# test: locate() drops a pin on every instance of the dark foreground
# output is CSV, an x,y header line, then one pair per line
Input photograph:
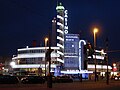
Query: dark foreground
x,y
85,85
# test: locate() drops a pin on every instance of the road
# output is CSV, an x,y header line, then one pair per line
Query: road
x,y
85,85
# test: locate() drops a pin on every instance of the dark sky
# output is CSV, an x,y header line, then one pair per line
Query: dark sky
x,y
22,21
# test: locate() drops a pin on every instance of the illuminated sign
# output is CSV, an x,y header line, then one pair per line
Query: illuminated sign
x,y
99,66
114,67
97,57
80,53
66,19
71,36
76,71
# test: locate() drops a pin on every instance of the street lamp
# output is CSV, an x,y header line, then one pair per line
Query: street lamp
x,y
95,30
106,42
46,39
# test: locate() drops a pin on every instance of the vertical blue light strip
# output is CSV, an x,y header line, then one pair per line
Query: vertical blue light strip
x,y
80,53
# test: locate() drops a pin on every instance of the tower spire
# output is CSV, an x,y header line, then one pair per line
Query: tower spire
x,y
59,6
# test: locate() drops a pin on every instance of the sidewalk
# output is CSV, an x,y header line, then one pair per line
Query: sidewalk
x,y
85,85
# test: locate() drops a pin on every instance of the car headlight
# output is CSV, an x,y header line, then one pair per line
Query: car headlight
x,y
116,78
119,78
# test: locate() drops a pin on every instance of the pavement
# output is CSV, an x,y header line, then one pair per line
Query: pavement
x,y
85,85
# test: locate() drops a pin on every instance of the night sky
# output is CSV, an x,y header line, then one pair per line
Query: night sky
x,y
22,21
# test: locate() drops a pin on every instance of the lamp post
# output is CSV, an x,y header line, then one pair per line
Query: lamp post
x,y
102,51
106,42
95,30
48,55
46,39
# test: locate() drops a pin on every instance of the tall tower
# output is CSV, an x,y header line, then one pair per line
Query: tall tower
x,y
60,31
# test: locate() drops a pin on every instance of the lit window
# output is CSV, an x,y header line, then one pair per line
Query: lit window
x,y
72,45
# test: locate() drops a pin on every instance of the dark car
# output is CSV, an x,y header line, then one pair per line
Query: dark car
x,y
54,79
32,80
6,79
64,79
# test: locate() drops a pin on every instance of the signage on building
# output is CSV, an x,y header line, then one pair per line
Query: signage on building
x,y
66,20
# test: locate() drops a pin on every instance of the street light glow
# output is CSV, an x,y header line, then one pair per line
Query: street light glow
x,y
102,51
95,30
46,39
12,63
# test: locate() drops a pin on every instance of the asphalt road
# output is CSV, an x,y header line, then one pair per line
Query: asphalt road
x,y
85,85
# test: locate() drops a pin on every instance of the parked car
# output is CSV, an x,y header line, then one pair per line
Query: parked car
x,y
117,78
7,79
32,80
54,79
64,79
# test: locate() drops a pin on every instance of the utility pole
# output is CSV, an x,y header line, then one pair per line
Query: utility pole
x,y
48,54
107,78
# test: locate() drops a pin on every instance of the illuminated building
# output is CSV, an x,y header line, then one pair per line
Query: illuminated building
x,y
115,69
68,55
101,65
33,59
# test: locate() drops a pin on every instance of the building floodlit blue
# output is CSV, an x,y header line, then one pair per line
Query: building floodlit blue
x,y
71,53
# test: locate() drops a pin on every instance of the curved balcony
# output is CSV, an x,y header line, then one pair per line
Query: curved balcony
x,y
60,31
59,45
59,38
